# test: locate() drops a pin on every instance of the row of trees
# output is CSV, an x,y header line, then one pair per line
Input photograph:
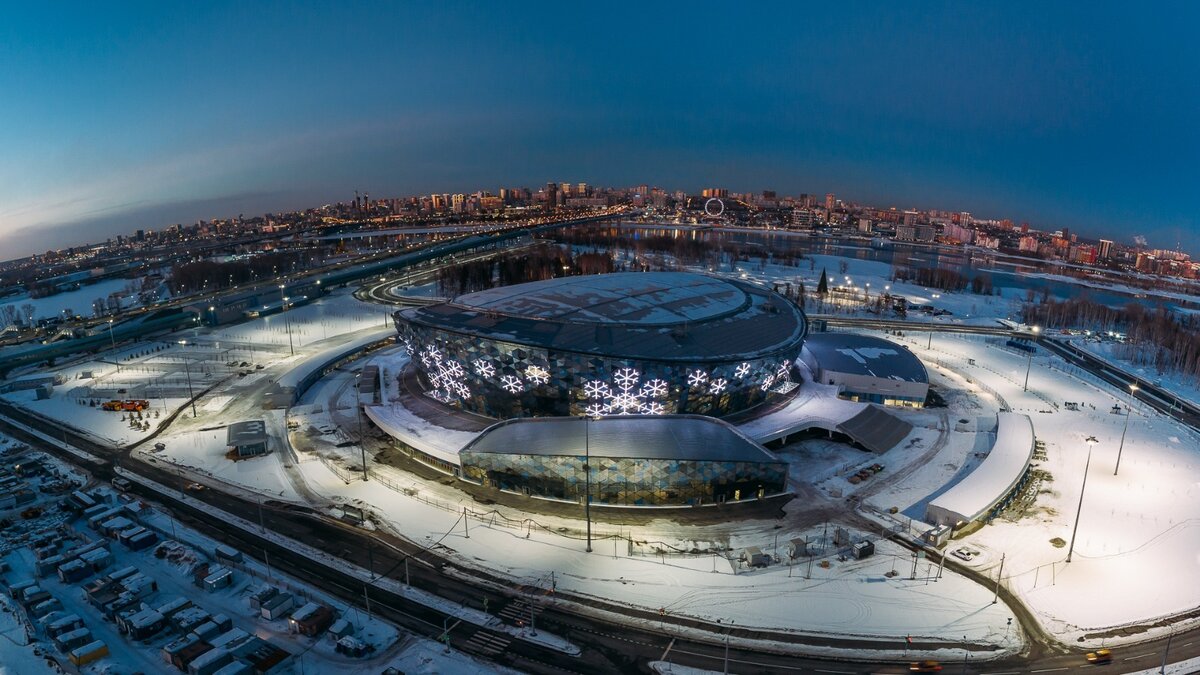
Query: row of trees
x,y
212,275
1154,336
945,279
543,262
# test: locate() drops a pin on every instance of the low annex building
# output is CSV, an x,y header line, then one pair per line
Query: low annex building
x,y
667,460
867,369
247,439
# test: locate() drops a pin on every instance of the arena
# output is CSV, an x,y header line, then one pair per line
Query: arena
x,y
615,344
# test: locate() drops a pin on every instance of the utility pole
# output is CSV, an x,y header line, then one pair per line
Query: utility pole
x,y
188,371
1162,670
1091,441
996,595
116,357
287,324
1128,413
1029,362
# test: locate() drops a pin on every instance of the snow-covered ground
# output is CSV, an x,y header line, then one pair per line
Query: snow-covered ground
x,y
1137,530
165,372
78,301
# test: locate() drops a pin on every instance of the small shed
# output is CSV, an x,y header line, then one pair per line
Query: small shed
x,y
797,548
209,662
754,557
261,595
221,578
277,607
73,638
863,549
311,619
92,651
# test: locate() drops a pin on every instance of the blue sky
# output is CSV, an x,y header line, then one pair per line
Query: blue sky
x,y
140,115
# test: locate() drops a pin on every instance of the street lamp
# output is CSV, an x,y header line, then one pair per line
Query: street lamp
x,y
1128,413
1091,441
287,324
113,340
362,446
188,371
1029,362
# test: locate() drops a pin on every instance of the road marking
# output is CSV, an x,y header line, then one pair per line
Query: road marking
x,y
1139,656
839,672
1046,670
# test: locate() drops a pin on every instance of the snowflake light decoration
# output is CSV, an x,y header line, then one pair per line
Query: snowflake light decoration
x,y
742,371
783,369
697,378
445,375
655,388
627,395
767,381
596,389
408,346
484,368
537,374
512,384
626,378
718,385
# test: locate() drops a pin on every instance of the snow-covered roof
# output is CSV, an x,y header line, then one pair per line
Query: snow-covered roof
x,y
650,315
992,480
857,354
248,432
644,298
677,437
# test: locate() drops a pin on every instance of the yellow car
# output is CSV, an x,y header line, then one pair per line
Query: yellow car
x,y
927,666
1100,656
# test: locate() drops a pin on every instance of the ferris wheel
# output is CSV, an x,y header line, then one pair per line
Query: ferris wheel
x,y
714,207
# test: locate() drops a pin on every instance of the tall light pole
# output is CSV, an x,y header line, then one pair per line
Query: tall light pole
x,y
287,324
1029,362
1128,413
113,340
587,472
362,446
188,371
1091,441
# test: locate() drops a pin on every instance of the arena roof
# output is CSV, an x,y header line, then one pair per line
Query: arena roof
x,y
637,315
677,437
865,355
646,299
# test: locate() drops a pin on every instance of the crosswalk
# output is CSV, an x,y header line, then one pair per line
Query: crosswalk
x,y
517,613
486,644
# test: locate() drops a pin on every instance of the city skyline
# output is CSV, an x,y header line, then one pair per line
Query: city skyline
x,y
138,118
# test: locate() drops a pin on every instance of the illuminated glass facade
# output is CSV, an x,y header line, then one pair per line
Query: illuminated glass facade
x,y
626,481
669,460
502,379
614,344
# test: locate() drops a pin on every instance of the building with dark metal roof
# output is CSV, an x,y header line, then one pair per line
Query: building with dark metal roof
x,y
633,460
867,368
247,439
625,343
